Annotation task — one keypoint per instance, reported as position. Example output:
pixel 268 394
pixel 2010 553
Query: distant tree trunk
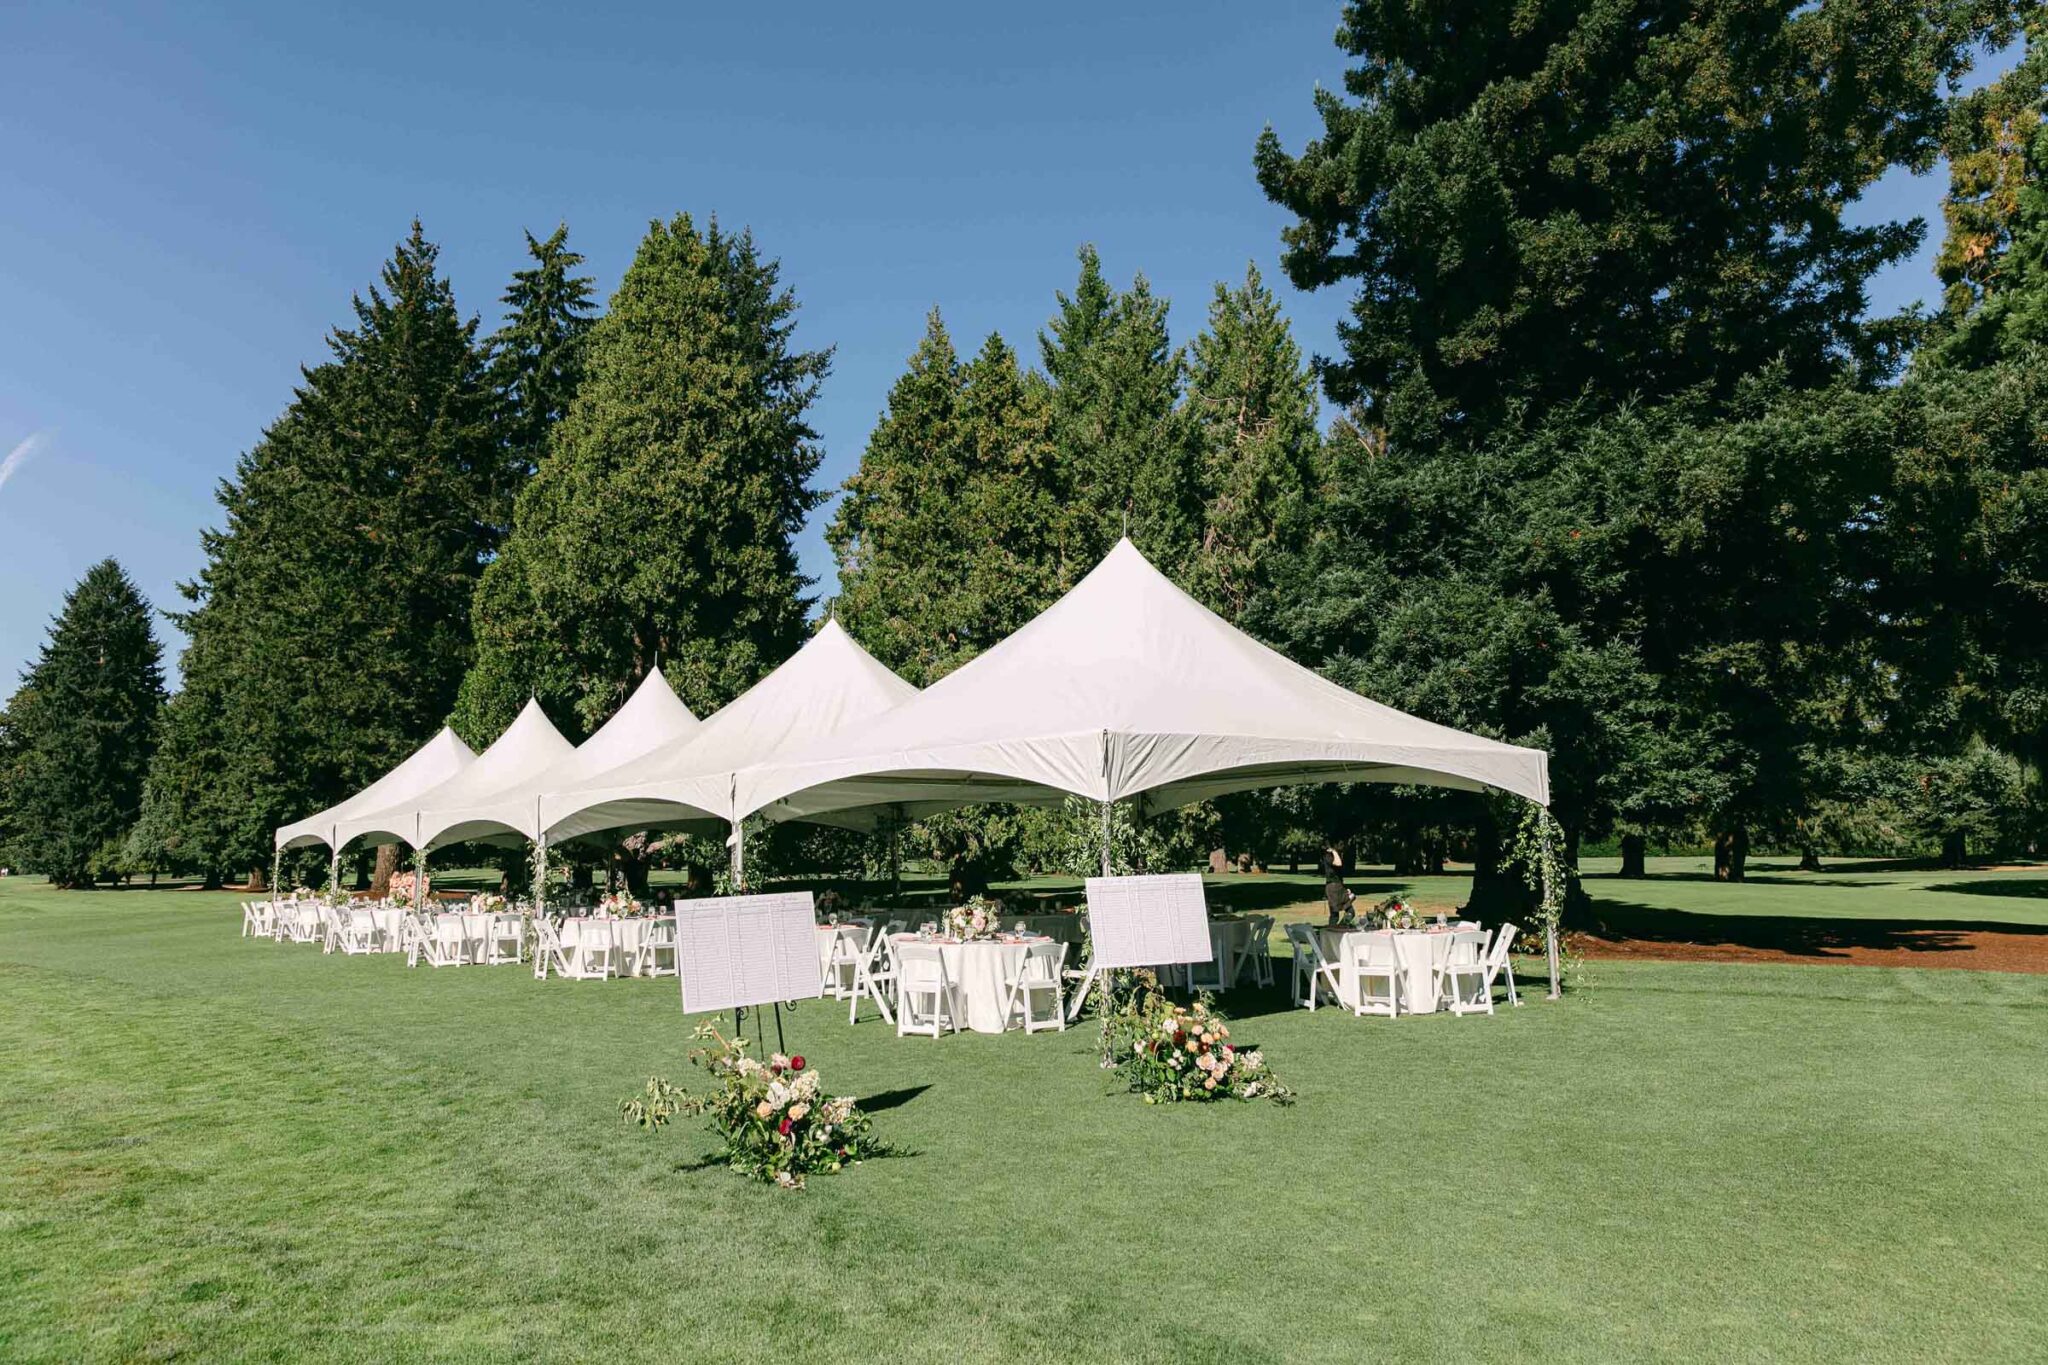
pixel 1433 853
pixel 1809 858
pixel 255 882
pixel 362 866
pixel 387 864
pixel 1485 849
pixel 635 872
pixel 1954 851
pixel 1731 854
pixel 580 877
pixel 211 882
pixel 1633 864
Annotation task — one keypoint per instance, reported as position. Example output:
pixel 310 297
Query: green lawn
pixel 217 1148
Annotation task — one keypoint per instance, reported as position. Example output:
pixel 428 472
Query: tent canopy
pixel 530 745
pixel 1126 687
pixel 652 718
pixel 829 685
pixel 428 766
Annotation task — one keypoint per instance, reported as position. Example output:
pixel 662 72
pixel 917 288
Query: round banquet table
pixel 976 972
pixel 626 935
pixel 1421 951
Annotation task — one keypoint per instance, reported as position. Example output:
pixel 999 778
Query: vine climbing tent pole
pixel 276 868
pixel 1552 907
pixel 739 857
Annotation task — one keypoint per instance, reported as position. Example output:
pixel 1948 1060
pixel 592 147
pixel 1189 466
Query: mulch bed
pixel 1677 937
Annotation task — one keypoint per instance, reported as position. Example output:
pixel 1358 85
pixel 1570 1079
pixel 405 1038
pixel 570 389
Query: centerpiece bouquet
pixel 403 885
pixel 1170 1053
pixel 773 1118
pixel 620 905
pixel 488 903
pixel 1396 913
pixel 830 906
pixel 975 918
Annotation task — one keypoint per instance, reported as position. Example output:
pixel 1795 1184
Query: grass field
pixel 226 1149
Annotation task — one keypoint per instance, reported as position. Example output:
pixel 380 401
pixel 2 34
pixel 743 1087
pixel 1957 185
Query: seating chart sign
pixel 1148 921
pixel 746 950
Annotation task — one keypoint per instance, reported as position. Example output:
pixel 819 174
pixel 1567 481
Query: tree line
pixel 1623 465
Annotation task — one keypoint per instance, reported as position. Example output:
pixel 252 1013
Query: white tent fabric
pixel 652 719
pixel 529 746
pixel 1125 687
pixel 829 685
pixel 427 767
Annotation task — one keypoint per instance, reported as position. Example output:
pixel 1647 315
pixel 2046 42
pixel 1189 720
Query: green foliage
pixel 658 530
pixel 329 629
pixel 1610 199
pixel 536 358
pixel 947 535
pixel 80 731
pixel 1974 801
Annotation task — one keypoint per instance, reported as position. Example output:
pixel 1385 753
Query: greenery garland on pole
pixel 419 878
pixel 1536 854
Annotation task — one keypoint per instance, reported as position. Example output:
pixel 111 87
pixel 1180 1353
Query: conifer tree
pixel 659 526
pixel 81 728
pixel 946 538
pixel 1253 406
pixel 536 357
pixel 1125 456
pixel 329 629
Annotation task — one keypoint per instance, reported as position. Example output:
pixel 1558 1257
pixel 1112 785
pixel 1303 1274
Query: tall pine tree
pixel 1125 454
pixel 537 356
pixel 1252 404
pixel 659 527
pixel 81 728
pixel 330 628
pixel 946 536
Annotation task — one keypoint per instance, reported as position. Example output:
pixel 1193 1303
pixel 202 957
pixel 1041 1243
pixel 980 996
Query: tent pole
pixel 333 868
pixel 896 854
pixel 1105 838
pixel 540 862
pixel 276 869
pixel 1551 909
pixel 739 857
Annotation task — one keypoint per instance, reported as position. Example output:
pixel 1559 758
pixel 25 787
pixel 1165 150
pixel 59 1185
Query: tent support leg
pixel 1551 908
pixel 739 857
pixel 419 878
pixel 276 869
pixel 1105 838
pixel 333 869
pixel 540 875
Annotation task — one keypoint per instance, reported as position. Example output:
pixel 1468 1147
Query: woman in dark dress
pixel 1334 891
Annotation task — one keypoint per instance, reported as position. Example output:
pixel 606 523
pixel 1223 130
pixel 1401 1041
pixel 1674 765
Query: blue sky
pixel 192 193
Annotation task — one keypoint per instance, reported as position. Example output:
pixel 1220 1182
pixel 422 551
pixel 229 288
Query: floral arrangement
pixel 775 1121
pixel 488 903
pixel 1396 913
pixel 403 886
pixel 830 904
pixel 1170 1052
pixel 977 917
pixel 621 905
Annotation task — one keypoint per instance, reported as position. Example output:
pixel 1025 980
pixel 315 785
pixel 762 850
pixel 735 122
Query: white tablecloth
pixel 626 936
pixel 976 972
pixel 856 936
pixel 1421 952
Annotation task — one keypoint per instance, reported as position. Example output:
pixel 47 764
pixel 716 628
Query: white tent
pixel 529 746
pixel 653 718
pixel 828 686
pixel 433 763
pixel 1125 688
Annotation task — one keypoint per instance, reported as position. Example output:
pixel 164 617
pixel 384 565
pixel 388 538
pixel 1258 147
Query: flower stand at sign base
pixel 773 1118
pixel 1172 1053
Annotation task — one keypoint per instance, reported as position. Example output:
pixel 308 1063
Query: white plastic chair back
pixel 923 994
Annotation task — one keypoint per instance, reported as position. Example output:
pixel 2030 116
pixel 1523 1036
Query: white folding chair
pixel 1312 972
pixel 355 932
pixel 547 948
pixel 1373 959
pixel 1083 977
pixel 586 950
pixel 1256 953
pixel 1037 976
pixel 924 996
pixel 302 924
pixel 443 941
pixel 1212 975
pixel 874 976
pixel 657 956
pixel 849 946
pixel 1465 972
pixel 255 919
pixel 1500 966
pixel 505 939
pixel 1418 963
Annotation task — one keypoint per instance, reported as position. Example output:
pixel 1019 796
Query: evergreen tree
pixel 1125 457
pixel 659 527
pixel 329 629
pixel 1253 406
pixel 946 538
pixel 82 726
pixel 537 356
pixel 1592 200
pixel 1994 259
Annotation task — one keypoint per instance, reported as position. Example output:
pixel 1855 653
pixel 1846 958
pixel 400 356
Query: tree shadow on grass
pixel 892 1099
pixel 1790 935
pixel 2022 888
